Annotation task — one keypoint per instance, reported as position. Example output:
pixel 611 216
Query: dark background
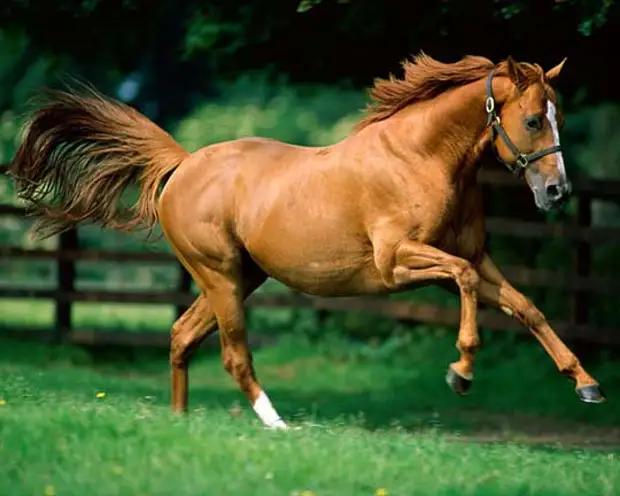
pixel 181 49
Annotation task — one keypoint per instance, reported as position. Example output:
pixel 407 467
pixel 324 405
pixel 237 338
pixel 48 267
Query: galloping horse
pixel 393 206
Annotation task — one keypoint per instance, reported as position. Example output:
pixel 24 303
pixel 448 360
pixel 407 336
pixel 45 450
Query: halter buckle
pixel 522 161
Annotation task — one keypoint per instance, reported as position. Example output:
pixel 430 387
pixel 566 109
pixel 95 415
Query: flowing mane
pixel 425 78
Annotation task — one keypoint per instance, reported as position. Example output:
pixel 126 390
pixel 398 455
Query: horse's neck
pixel 451 130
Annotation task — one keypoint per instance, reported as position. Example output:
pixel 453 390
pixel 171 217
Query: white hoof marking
pixel 267 413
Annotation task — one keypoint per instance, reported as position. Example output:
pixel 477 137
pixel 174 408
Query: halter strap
pixel 522 160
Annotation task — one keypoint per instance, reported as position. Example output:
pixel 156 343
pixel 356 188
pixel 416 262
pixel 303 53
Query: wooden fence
pixel 576 279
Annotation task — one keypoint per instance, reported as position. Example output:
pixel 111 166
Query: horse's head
pixel 525 131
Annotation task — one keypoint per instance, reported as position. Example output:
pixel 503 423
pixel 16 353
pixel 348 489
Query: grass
pixel 371 418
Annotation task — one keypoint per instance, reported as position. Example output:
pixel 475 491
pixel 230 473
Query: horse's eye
pixel 533 123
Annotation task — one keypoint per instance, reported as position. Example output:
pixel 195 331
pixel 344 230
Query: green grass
pixel 369 418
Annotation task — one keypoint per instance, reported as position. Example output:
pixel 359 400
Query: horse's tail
pixel 79 154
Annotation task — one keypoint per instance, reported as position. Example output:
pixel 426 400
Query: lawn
pixel 367 420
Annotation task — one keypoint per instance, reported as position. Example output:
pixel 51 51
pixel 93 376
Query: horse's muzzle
pixel 557 192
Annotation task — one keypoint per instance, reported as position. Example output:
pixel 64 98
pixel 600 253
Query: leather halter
pixel 522 160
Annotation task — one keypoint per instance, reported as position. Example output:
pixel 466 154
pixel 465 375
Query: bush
pixel 252 106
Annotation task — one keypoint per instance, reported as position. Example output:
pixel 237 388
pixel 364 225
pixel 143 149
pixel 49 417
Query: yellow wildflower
pixel 2 402
pixel 49 490
pixel 100 395
pixel 381 492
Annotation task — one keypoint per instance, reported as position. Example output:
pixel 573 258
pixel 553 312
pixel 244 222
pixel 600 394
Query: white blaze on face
pixel 551 116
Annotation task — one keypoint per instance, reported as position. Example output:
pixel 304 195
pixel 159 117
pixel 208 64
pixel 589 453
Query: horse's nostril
pixel 553 191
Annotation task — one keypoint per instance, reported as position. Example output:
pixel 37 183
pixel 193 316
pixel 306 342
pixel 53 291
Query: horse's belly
pixel 314 281
pixel 320 269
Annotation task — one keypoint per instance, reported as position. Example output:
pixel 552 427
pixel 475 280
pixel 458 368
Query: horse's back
pixel 221 183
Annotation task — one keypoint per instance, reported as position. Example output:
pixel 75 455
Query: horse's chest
pixel 462 242
pixel 440 223
pixel 456 229
pixel 448 241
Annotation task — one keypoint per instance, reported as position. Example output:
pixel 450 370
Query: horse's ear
pixel 554 72
pixel 515 73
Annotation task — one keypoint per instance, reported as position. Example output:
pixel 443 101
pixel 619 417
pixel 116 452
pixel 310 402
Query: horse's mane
pixel 425 78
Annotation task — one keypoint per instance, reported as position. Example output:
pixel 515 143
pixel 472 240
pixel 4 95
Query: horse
pixel 393 206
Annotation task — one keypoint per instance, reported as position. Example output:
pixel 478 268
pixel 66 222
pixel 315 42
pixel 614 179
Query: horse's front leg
pixel 497 291
pixel 413 262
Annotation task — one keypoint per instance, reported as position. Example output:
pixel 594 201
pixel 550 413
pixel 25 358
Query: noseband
pixel 522 160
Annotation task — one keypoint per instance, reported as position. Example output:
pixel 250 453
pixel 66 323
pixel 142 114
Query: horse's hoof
pixel 457 383
pixel 591 394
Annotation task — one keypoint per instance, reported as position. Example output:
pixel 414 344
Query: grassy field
pixel 372 420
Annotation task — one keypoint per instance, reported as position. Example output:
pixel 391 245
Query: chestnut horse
pixel 393 206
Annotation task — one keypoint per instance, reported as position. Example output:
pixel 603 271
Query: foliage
pixel 310 115
pixel 21 72
pixel 592 14
pixel 179 48
pixel 591 137
pixel 8 143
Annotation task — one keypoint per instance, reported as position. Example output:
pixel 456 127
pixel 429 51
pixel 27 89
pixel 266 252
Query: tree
pixel 179 48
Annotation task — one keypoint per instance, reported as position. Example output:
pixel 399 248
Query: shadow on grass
pixel 466 419
pixel 517 396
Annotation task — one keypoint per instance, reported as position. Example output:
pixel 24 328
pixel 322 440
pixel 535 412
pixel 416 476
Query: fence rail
pixel 575 279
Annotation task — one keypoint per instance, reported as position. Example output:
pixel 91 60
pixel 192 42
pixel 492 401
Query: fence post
pixel 582 260
pixel 184 286
pixel 68 241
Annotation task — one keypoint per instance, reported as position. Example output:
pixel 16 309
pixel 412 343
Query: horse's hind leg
pixel 225 290
pixel 188 332
pixel 226 295
pixel 193 327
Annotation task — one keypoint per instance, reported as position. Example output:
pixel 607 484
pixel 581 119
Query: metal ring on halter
pixel 489 104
